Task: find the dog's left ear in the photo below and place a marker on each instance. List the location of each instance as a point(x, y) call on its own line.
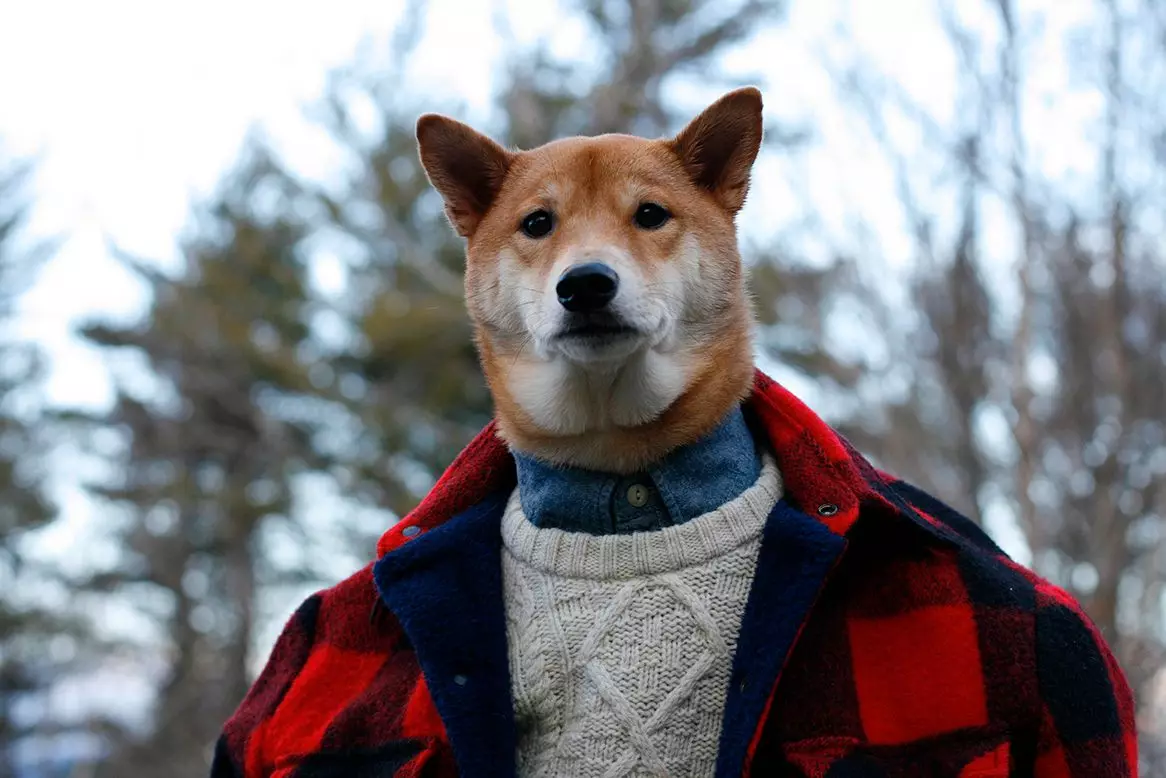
point(464, 166)
point(719, 146)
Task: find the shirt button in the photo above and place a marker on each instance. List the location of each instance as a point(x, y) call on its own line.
point(411, 531)
point(638, 495)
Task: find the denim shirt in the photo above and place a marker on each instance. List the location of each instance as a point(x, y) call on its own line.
point(689, 482)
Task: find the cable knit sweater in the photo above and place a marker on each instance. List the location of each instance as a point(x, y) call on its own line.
point(621, 645)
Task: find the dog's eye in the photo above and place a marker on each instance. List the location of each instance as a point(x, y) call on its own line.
point(650, 216)
point(538, 224)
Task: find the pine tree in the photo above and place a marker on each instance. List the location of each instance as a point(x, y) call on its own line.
point(26, 672)
point(214, 445)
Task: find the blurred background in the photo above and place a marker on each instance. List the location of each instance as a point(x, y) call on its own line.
point(233, 347)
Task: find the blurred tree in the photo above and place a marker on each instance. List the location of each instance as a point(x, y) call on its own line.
point(214, 443)
point(26, 625)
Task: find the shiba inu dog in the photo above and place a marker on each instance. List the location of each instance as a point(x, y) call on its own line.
point(604, 282)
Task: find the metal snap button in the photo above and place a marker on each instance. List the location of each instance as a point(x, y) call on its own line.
point(827, 509)
point(411, 531)
point(460, 680)
point(638, 495)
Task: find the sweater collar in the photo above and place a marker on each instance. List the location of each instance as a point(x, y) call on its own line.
point(691, 481)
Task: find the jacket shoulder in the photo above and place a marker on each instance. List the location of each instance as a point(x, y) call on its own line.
point(943, 515)
point(1035, 636)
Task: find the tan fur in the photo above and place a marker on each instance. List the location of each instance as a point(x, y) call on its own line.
point(684, 280)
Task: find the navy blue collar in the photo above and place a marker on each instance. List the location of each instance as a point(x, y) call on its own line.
point(689, 482)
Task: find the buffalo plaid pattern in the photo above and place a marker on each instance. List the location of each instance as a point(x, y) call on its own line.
point(885, 635)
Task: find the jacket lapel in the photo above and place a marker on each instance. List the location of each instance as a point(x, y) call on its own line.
point(444, 586)
point(796, 557)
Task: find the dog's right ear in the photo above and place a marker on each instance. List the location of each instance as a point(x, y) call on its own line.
point(464, 166)
point(718, 147)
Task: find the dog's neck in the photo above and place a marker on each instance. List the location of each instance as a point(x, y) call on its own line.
point(619, 422)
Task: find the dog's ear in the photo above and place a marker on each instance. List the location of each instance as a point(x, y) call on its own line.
point(719, 146)
point(464, 166)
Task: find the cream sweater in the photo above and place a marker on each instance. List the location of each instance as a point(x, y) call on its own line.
point(621, 645)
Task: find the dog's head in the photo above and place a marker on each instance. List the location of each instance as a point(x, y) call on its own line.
point(603, 277)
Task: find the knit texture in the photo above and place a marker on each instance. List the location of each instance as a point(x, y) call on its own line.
point(621, 646)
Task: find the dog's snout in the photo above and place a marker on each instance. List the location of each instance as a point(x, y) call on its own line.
point(587, 288)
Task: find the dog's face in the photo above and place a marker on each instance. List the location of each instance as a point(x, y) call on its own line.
point(596, 249)
point(599, 261)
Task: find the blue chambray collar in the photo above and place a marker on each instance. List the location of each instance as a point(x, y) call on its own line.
point(689, 482)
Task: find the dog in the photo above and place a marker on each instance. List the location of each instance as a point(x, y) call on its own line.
point(604, 282)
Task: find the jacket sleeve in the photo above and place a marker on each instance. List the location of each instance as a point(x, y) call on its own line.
point(238, 753)
point(1088, 728)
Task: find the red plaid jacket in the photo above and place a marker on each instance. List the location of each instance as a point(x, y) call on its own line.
point(885, 635)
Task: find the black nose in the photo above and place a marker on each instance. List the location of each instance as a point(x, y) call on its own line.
point(587, 288)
